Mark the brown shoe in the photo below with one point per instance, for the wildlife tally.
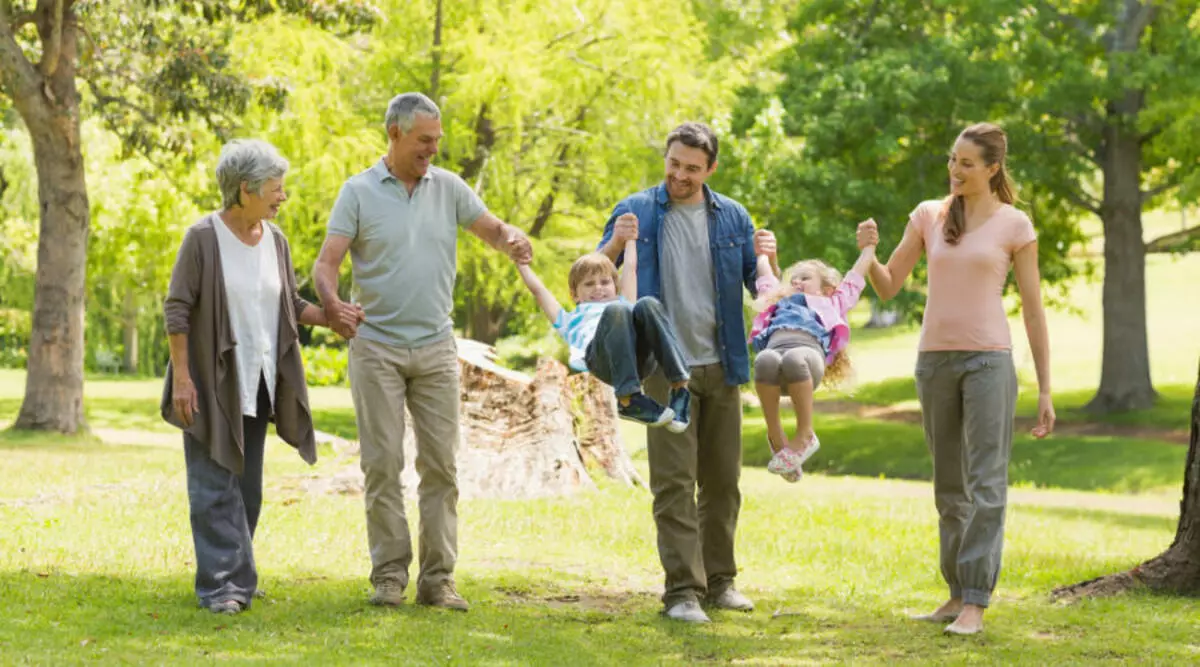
(387, 594)
(443, 595)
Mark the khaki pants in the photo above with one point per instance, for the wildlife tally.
(383, 379)
(694, 477)
(968, 400)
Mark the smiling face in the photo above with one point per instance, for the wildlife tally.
(970, 175)
(264, 206)
(686, 172)
(410, 153)
(598, 287)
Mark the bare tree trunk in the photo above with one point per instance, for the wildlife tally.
(48, 101)
(129, 362)
(1176, 570)
(1125, 368)
(435, 77)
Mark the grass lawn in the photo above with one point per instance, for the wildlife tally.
(96, 567)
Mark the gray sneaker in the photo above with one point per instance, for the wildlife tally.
(443, 595)
(730, 598)
(688, 611)
(228, 607)
(387, 594)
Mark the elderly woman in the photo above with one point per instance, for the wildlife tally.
(232, 313)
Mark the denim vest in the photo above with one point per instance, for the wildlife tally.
(731, 242)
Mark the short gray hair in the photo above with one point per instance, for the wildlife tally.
(249, 161)
(403, 109)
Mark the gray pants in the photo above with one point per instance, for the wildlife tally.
(968, 401)
(790, 357)
(224, 512)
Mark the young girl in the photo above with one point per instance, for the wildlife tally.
(800, 335)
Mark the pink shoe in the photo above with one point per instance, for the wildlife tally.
(786, 464)
(813, 446)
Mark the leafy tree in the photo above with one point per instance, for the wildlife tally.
(144, 64)
(1093, 94)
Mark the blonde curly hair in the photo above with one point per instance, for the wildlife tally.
(839, 372)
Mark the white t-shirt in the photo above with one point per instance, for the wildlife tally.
(252, 289)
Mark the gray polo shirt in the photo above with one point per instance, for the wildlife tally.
(688, 285)
(403, 250)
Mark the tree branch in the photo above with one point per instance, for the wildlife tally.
(1181, 241)
(19, 78)
(1172, 181)
(1083, 200)
(53, 41)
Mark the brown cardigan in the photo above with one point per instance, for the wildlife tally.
(196, 306)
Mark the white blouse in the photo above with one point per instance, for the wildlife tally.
(252, 290)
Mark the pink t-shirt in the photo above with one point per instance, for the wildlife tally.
(964, 309)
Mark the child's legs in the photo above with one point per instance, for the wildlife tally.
(611, 356)
(802, 368)
(766, 384)
(657, 340)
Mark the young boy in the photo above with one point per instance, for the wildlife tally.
(618, 337)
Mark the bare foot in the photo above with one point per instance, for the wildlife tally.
(949, 611)
(969, 622)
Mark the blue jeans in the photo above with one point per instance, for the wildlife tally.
(630, 342)
(224, 512)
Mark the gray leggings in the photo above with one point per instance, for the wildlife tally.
(790, 357)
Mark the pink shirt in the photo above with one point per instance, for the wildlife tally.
(830, 310)
(964, 309)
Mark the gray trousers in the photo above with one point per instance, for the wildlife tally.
(224, 512)
(968, 401)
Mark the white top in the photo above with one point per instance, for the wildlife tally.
(252, 290)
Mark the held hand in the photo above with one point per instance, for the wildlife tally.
(867, 234)
(517, 245)
(1045, 425)
(184, 400)
(625, 229)
(764, 244)
(343, 318)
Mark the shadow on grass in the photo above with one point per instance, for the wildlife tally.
(521, 618)
(1105, 517)
(873, 448)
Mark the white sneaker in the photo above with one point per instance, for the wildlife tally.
(689, 612)
(813, 446)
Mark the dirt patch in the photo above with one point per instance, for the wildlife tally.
(1023, 424)
(601, 601)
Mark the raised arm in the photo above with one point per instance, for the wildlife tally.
(1029, 283)
(887, 279)
(629, 278)
(622, 226)
(545, 299)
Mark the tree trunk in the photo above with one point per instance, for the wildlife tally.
(1125, 366)
(1176, 570)
(129, 361)
(50, 108)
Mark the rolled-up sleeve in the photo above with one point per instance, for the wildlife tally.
(185, 286)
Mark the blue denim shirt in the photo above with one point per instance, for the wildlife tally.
(731, 241)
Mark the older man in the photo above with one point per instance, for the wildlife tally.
(399, 221)
(696, 249)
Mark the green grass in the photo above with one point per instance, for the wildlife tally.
(96, 567)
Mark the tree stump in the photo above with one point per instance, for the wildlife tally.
(521, 436)
(1176, 570)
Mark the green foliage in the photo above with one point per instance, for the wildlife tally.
(326, 366)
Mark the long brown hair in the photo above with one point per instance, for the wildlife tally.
(993, 144)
